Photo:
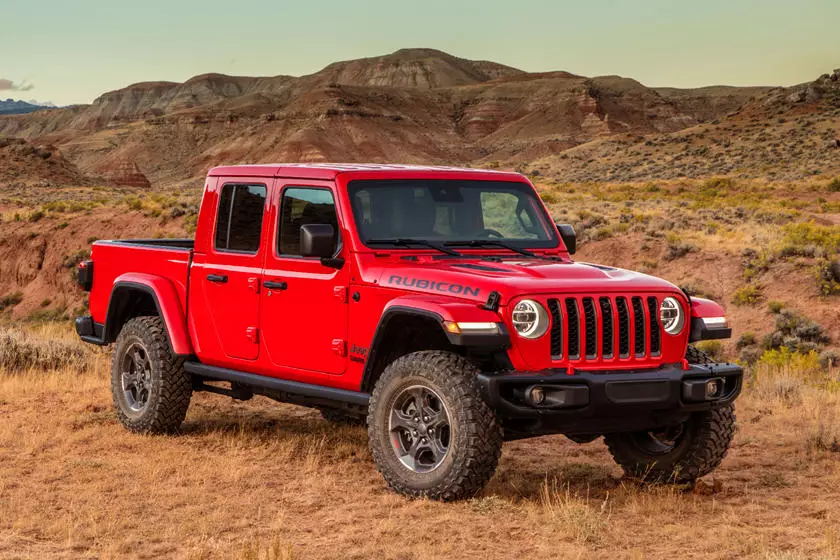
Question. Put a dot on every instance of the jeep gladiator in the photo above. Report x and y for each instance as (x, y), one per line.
(441, 306)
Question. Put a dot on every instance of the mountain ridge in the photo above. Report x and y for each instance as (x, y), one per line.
(413, 106)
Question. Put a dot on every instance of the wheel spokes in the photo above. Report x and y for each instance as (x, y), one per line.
(401, 420)
(419, 426)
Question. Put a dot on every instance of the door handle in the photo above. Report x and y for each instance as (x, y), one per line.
(218, 278)
(275, 284)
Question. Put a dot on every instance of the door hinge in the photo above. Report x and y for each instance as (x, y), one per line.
(254, 284)
(253, 334)
(340, 292)
(339, 346)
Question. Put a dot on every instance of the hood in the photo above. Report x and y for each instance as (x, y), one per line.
(475, 278)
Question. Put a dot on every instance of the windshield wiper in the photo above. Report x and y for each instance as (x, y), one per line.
(408, 242)
(493, 243)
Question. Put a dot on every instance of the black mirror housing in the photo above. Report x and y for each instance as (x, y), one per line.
(317, 240)
(569, 237)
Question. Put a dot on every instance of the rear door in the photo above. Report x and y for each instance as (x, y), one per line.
(304, 315)
(226, 279)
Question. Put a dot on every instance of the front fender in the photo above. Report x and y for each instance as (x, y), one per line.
(708, 321)
(449, 313)
(166, 299)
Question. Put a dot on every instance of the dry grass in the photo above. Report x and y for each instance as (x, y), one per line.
(45, 349)
(259, 480)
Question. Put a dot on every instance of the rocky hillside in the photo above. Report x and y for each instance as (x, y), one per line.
(782, 133)
(23, 164)
(423, 105)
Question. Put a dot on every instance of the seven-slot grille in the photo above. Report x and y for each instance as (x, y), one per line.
(604, 327)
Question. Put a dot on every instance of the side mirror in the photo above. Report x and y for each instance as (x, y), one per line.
(317, 240)
(569, 237)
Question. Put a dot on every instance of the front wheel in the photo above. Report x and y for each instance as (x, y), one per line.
(431, 434)
(680, 453)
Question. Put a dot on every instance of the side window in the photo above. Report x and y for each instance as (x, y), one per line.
(239, 222)
(301, 206)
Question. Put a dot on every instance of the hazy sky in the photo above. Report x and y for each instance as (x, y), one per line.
(70, 51)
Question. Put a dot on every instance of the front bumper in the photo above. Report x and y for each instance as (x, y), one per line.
(590, 403)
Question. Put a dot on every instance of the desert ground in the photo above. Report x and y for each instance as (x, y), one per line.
(263, 480)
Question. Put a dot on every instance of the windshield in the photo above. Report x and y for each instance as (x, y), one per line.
(446, 212)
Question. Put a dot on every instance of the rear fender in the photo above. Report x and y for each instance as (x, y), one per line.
(166, 300)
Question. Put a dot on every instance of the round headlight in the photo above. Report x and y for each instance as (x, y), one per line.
(530, 319)
(672, 316)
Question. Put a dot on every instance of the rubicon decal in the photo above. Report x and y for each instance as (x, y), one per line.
(423, 284)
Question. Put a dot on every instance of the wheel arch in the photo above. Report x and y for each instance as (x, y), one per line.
(134, 295)
(403, 329)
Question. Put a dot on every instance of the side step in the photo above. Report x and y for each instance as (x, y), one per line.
(279, 385)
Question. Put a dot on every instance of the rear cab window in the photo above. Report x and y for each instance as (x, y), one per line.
(239, 218)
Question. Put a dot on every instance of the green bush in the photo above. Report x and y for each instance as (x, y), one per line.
(750, 294)
(834, 185)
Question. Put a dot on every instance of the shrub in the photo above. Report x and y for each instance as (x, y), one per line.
(749, 294)
(746, 339)
(796, 333)
(713, 348)
(834, 185)
(828, 276)
(809, 239)
(775, 306)
(20, 351)
(10, 300)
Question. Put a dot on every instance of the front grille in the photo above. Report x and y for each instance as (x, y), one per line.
(587, 328)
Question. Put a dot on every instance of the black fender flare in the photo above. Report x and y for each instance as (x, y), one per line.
(486, 341)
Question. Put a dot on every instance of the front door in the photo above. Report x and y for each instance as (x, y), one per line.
(227, 277)
(303, 311)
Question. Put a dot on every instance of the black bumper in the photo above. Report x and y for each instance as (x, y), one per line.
(90, 331)
(589, 403)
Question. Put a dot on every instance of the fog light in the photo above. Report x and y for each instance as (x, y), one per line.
(713, 388)
(536, 395)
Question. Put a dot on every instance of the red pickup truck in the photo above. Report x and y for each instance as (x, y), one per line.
(440, 304)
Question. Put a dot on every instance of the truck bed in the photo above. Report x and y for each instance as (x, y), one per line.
(124, 259)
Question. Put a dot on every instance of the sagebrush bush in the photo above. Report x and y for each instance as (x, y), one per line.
(20, 351)
(747, 295)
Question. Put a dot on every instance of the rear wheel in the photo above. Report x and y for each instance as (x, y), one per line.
(150, 388)
(431, 434)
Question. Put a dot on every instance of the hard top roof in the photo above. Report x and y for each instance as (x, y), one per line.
(331, 170)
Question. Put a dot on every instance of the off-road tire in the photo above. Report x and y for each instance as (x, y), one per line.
(699, 451)
(342, 418)
(475, 442)
(170, 388)
(696, 356)
(703, 445)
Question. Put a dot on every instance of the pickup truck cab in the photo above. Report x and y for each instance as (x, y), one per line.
(442, 305)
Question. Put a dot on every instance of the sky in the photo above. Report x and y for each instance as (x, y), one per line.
(71, 51)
